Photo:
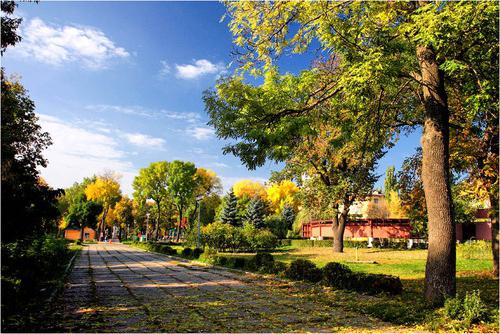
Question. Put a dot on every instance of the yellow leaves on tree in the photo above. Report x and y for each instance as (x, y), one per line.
(281, 194)
(208, 181)
(250, 189)
(104, 190)
(395, 206)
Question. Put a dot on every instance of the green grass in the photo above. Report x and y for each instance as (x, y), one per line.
(474, 266)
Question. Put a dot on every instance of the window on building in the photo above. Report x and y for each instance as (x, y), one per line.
(375, 200)
(86, 235)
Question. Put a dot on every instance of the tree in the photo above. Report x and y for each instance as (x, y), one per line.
(249, 189)
(288, 214)
(409, 49)
(28, 205)
(9, 25)
(390, 183)
(152, 183)
(106, 191)
(256, 212)
(83, 213)
(395, 206)
(182, 184)
(229, 213)
(282, 194)
(208, 183)
(123, 212)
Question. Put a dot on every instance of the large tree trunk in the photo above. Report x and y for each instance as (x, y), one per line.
(338, 226)
(81, 233)
(101, 225)
(441, 259)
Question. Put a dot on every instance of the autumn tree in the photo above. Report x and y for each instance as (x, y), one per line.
(182, 184)
(249, 189)
(282, 194)
(123, 212)
(106, 191)
(152, 183)
(398, 47)
(208, 184)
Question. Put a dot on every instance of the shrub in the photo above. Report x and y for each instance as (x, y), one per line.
(236, 262)
(279, 268)
(187, 252)
(337, 275)
(223, 237)
(277, 225)
(469, 310)
(165, 249)
(303, 270)
(262, 262)
(197, 252)
(377, 283)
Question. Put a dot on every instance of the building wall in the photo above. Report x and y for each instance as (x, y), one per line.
(75, 234)
(363, 229)
(374, 206)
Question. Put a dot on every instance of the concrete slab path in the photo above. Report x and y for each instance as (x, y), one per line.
(117, 288)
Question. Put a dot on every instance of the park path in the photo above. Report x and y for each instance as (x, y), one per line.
(117, 288)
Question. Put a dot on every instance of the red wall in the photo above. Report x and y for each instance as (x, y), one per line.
(387, 228)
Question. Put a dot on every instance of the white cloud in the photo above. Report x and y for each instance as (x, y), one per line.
(142, 140)
(199, 68)
(165, 68)
(190, 117)
(56, 45)
(219, 164)
(77, 153)
(201, 133)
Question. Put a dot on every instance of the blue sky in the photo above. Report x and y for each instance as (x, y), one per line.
(118, 85)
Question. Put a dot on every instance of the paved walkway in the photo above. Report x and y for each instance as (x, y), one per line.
(116, 288)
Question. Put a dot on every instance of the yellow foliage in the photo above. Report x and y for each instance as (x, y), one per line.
(62, 223)
(395, 206)
(104, 190)
(250, 189)
(282, 193)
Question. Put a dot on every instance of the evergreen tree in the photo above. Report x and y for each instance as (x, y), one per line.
(230, 212)
(256, 212)
(288, 216)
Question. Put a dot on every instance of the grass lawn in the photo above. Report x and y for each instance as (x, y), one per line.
(474, 265)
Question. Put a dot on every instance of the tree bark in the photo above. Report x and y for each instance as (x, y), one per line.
(338, 226)
(81, 233)
(100, 226)
(440, 268)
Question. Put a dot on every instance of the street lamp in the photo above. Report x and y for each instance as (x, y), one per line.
(198, 200)
(147, 225)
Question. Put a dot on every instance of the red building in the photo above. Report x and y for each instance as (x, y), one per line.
(361, 228)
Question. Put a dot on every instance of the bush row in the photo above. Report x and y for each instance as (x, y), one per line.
(301, 243)
(376, 243)
(155, 247)
(225, 237)
(333, 274)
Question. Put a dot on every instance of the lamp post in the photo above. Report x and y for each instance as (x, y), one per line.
(198, 200)
(147, 225)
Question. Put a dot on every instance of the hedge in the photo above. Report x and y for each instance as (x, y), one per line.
(302, 243)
